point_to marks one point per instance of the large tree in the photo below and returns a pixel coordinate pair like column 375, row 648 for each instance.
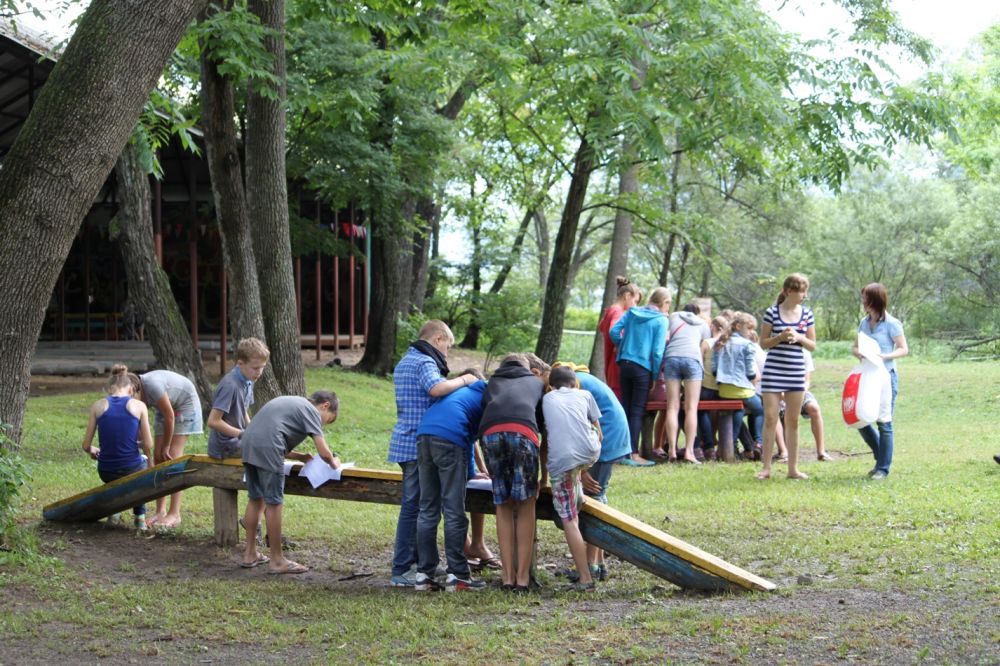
column 64, row 152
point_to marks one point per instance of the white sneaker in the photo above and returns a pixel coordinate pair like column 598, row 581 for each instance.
column 408, row 579
column 140, row 524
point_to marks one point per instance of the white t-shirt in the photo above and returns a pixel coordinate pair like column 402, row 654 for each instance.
column 569, row 427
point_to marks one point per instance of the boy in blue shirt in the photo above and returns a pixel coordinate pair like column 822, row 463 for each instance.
column 233, row 397
column 446, row 441
column 419, row 380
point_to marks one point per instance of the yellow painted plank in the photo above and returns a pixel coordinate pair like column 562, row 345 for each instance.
column 682, row 549
column 124, row 479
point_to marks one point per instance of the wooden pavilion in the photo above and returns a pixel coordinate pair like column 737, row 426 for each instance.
column 90, row 296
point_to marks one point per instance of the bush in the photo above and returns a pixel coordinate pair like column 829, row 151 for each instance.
column 581, row 319
column 13, row 475
column 407, row 330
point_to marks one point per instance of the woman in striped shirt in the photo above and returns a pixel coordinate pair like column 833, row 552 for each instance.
column 788, row 329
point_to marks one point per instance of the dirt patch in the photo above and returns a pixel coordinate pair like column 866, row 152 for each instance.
column 807, row 621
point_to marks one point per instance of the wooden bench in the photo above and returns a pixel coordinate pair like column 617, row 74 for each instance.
column 727, row 438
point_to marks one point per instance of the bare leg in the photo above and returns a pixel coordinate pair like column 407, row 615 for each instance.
column 524, row 527
column 673, row 407
column 505, row 537
column 779, row 439
column 476, row 545
column 578, row 547
column 660, row 433
column 816, row 423
column 161, row 502
column 771, row 401
column 173, row 516
column 692, row 391
column 251, row 518
column 793, row 405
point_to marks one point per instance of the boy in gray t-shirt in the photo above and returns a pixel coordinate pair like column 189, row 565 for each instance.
column 233, row 396
column 279, row 427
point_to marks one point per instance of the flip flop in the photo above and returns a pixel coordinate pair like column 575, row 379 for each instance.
column 261, row 559
column 632, row 463
column 292, row 568
column 492, row 563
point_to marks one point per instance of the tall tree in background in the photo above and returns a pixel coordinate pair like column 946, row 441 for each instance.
column 148, row 284
column 64, row 152
column 267, row 200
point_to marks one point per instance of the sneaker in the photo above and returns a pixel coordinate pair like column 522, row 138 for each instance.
column 997, row 458
column 408, row 579
column 582, row 587
column 710, row 455
column 140, row 524
column 569, row 573
column 879, row 475
column 602, row 572
column 456, row 584
column 114, row 520
column 424, row 583
column 872, row 471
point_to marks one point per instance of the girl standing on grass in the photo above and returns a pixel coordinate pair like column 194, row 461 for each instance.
column 120, row 421
column 888, row 332
column 629, row 296
column 789, row 327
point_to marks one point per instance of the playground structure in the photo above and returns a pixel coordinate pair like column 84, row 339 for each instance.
column 644, row 546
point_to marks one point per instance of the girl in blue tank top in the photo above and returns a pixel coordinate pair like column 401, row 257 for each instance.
column 122, row 425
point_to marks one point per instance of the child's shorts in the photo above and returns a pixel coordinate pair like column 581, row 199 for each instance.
column 185, row 423
column 683, row 369
column 264, row 484
column 567, row 494
column 512, row 461
column 601, row 472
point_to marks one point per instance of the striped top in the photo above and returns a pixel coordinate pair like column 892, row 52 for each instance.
column 785, row 366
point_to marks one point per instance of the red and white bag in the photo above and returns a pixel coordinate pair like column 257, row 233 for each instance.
column 867, row 396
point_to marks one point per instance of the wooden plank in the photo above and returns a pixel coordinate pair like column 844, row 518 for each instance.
column 227, row 526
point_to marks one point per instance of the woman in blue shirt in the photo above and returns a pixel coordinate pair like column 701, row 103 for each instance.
column 888, row 332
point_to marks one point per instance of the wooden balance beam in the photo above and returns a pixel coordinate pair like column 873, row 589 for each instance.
column 644, row 546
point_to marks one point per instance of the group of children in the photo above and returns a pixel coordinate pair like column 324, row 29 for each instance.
column 532, row 423
column 700, row 360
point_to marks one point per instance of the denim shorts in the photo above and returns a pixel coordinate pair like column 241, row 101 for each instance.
column 264, row 484
column 185, row 423
column 601, row 472
column 567, row 494
column 681, row 368
column 512, row 461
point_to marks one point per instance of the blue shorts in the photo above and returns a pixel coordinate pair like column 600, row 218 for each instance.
column 264, row 484
column 185, row 423
column 512, row 461
column 680, row 368
column 601, row 472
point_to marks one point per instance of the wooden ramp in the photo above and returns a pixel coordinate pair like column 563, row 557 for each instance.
column 646, row 547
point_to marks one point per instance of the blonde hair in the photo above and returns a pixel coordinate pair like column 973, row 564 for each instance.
column 794, row 282
column 435, row 327
column 659, row 297
column 121, row 378
column 738, row 319
column 251, row 348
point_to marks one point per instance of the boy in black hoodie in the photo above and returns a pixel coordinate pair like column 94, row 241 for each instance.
column 509, row 433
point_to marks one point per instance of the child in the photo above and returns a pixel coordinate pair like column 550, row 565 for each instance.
column 688, row 337
column 279, row 427
column 232, row 399
column 614, row 447
column 811, row 412
column 419, row 380
column 574, row 444
column 709, row 391
column 734, row 363
column 789, row 327
column 178, row 415
column 120, row 420
column 508, row 432
column 446, row 441
column 628, row 296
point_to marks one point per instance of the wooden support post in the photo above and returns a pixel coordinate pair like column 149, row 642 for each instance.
column 227, row 526
column 647, row 435
column 727, row 446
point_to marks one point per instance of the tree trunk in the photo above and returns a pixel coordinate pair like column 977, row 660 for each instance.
column 628, row 186
column 380, row 347
column 557, row 287
column 544, row 245
column 674, row 207
column 432, row 269
column 428, row 214
column 682, row 273
column 149, row 286
column 63, row 153
column 218, row 113
column 471, row 339
column 267, row 197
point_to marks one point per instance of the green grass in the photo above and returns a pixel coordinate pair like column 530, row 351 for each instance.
column 930, row 533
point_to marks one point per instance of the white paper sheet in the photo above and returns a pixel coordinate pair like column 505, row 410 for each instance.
column 480, row 484
column 318, row 472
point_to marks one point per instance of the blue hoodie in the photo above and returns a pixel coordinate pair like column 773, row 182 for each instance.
column 641, row 336
column 614, row 425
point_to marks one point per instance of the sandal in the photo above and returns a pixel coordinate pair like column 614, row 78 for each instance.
column 261, row 559
column 290, row 568
column 824, row 457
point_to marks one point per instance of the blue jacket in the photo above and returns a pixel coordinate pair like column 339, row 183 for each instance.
column 641, row 336
column 455, row 418
column 735, row 363
column 614, row 425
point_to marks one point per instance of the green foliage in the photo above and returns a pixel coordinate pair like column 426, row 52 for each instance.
column 508, row 321
column 309, row 238
column 582, row 319
column 14, row 474
column 234, row 38
column 407, row 331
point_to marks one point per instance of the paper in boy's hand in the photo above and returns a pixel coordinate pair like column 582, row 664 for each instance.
column 319, row 472
column 479, row 484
